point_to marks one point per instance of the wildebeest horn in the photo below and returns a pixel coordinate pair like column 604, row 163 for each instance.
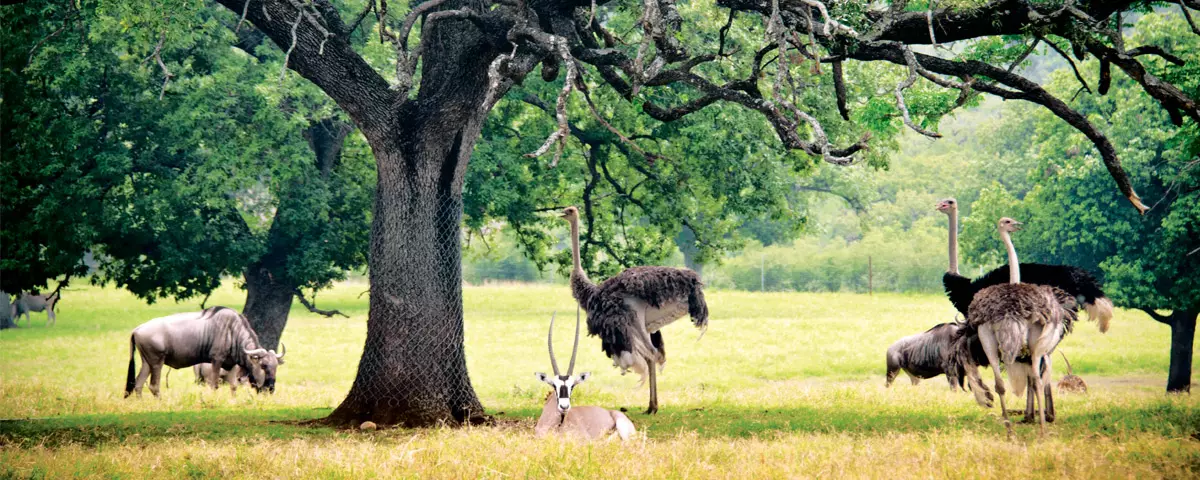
column 550, row 345
column 257, row 351
column 574, row 348
column 282, row 350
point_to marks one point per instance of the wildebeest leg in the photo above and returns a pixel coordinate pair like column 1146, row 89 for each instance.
column 50, row 316
column 213, row 375
column 147, row 360
column 155, row 376
column 231, row 379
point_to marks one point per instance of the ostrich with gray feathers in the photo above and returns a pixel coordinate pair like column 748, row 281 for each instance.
column 628, row 310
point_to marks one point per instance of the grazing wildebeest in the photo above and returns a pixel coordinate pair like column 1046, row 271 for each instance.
column 27, row 302
column 217, row 335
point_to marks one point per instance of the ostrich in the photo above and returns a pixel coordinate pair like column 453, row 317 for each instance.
column 1015, row 317
column 628, row 310
column 961, row 290
column 1074, row 280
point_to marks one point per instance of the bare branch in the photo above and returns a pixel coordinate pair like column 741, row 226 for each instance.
column 1155, row 50
column 313, row 308
column 1032, row 45
column 1074, row 68
column 245, row 10
column 559, row 46
column 1188, row 16
column 899, row 92
column 361, row 16
column 287, row 56
column 157, row 56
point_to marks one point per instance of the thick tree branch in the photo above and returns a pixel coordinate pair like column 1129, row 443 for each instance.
column 1164, row 319
column 337, row 69
column 1025, row 90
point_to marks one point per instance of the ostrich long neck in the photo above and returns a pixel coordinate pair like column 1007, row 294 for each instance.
column 578, row 267
column 1014, row 266
column 581, row 287
column 953, row 241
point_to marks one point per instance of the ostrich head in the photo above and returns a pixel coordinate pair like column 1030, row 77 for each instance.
column 947, row 206
column 570, row 213
column 563, row 385
column 1008, row 225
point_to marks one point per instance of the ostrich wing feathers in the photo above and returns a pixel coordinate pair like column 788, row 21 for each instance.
column 1073, row 280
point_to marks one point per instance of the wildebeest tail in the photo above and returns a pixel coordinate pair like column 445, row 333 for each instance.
column 697, row 308
column 129, row 377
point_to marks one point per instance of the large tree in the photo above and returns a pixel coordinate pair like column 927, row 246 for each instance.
column 422, row 113
column 1147, row 262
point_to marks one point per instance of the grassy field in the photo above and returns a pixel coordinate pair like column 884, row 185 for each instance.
column 782, row 385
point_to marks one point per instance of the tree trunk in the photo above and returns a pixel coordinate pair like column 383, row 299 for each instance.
column 1183, row 334
column 267, row 305
column 413, row 371
column 686, row 241
column 6, row 314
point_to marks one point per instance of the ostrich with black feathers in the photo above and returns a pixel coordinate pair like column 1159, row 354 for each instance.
column 967, row 354
column 1074, row 280
column 628, row 310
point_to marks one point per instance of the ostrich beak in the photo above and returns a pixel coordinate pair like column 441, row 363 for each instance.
column 1017, row 226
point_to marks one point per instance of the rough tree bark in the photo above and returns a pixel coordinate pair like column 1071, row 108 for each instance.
column 267, row 304
column 269, row 288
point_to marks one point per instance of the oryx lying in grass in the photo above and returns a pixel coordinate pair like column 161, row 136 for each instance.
column 558, row 415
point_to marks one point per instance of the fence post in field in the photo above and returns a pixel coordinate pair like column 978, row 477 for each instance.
column 870, row 278
column 762, row 273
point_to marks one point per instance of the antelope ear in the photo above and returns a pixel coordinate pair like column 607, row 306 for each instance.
column 541, row 377
column 583, row 377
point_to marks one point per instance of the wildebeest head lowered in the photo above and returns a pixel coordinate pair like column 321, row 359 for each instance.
column 217, row 335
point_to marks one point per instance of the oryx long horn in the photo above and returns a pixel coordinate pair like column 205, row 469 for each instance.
column 550, row 346
column 575, row 347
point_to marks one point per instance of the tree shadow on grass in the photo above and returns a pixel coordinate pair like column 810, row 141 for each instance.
column 1162, row 418
column 209, row 425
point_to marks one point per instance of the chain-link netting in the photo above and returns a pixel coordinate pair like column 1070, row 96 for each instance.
column 413, row 369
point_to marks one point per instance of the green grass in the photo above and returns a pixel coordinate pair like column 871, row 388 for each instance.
column 782, row 385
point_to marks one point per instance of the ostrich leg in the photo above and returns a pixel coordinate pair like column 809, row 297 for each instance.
column 1037, row 380
column 653, row 409
column 988, row 338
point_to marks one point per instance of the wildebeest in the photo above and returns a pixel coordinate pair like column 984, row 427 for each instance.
column 27, row 302
column 217, row 335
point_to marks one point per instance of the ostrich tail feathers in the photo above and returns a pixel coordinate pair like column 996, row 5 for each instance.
column 1101, row 311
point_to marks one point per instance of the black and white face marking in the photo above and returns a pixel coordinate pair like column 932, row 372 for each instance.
column 563, row 385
